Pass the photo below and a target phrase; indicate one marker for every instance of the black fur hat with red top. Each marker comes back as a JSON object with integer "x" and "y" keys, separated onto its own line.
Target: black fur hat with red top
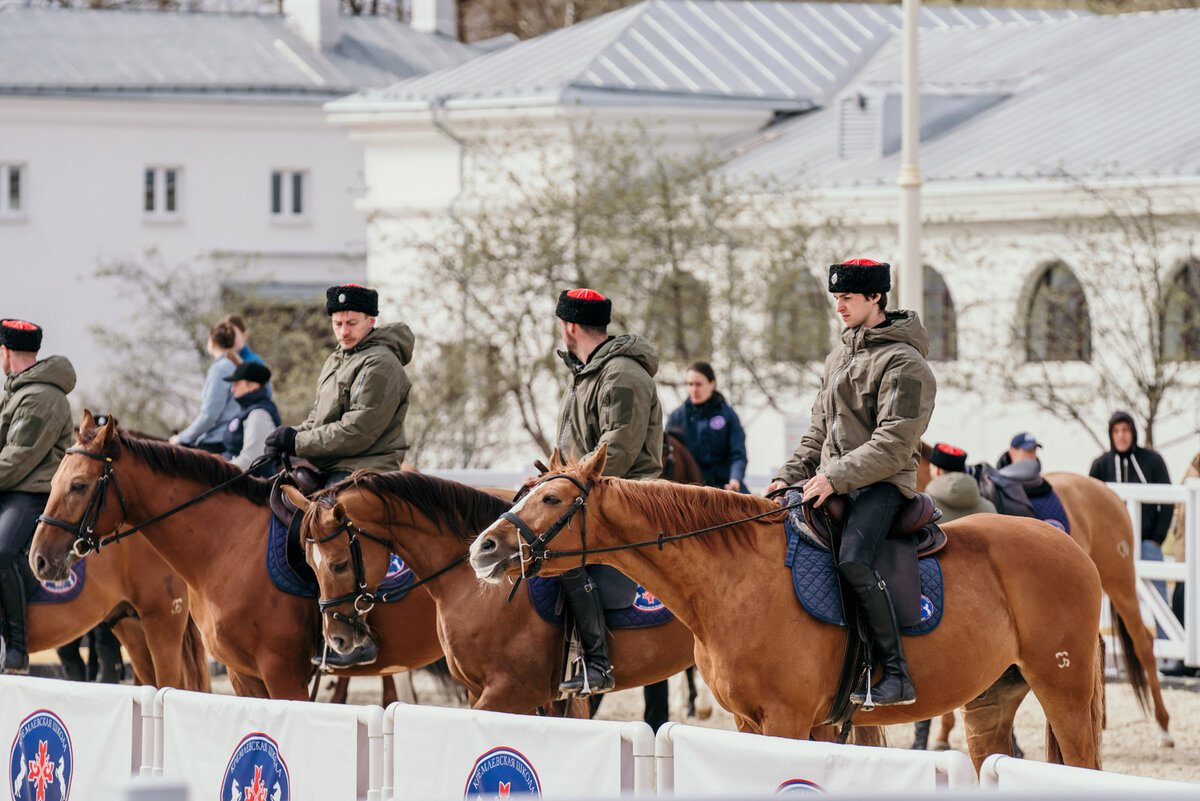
{"x": 949, "y": 458}
{"x": 584, "y": 307}
{"x": 20, "y": 335}
{"x": 863, "y": 276}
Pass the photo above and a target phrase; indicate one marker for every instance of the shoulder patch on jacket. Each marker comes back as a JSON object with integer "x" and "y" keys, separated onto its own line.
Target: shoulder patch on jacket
{"x": 908, "y": 397}
{"x": 620, "y": 406}
{"x": 26, "y": 431}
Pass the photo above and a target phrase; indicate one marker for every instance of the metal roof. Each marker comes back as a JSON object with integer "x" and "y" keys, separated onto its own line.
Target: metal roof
{"x": 783, "y": 56}
{"x": 69, "y": 51}
{"x": 1094, "y": 96}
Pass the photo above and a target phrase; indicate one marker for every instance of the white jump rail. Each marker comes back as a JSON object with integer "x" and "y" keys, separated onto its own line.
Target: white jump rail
{"x": 1181, "y": 641}
{"x": 62, "y": 734}
{"x": 1000, "y": 772}
{"x": 441, "y": 754}
{"x": 695, "y": 761}
{"x": 320, "y": 751}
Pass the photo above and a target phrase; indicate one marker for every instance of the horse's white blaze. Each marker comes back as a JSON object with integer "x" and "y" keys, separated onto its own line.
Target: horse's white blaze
{"x": 317, "y": 558}
{"x": 516, "y": 510}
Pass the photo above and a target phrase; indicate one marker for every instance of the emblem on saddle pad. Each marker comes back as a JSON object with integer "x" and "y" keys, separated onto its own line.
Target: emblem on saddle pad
{"x": 646, "y": 602}
{"x": 42, "y": 761}
{"x": 61, "y": 587}
{"x": 926, "y": 608}
{"x": 396, "y": 567}
{"x": 256, "y": 772}
{"x": 500, "y": 773}
{"x": 798, "y": 787}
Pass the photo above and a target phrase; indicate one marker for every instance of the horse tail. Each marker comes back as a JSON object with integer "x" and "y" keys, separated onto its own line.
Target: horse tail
{"x": 1133, "y": 666}
{"x": 195, "y": 659}
{"x": 868, "y": 735}
{"x": 1053, "y": 751}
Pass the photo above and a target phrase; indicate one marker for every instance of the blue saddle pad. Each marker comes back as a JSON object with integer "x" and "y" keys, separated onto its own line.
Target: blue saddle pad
{"x": 304, "y": 583}
{"x": 59, "y": 592}
{"x": 644, "y": 612}
{"x": 815, "y": 580}
{"x": 1050, "y": 509}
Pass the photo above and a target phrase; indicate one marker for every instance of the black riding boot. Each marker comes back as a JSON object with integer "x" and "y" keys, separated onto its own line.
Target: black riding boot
{"x": 363, "y": 654}
{"x": 920, "y": 735}
{"x": 895, "y": 687}
{"x": 73, "y": 665}
{"x": 584, "y": 598}
{"x": 12, "y": 597}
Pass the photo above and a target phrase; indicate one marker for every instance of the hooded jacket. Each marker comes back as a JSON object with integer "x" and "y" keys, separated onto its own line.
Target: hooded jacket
{"x": 613, "y": 399}
{"x": 35, "y": 424}
{"x": 875, "y": 401}
{"x": 714, "y": 437}
{"x": 1136, "y": 466}
{"x": 357, "y": 420}
{"x": 957, "y": 495}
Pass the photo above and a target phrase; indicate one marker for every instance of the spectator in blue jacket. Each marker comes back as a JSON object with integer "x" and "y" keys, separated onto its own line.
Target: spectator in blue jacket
{"x": 711, "y": 431}
{"x": 217, "y": 404}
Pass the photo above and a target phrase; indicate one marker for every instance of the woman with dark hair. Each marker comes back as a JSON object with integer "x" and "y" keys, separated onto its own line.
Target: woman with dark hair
{"x": 217, "y": 404}
{"x": 711, "y": 431}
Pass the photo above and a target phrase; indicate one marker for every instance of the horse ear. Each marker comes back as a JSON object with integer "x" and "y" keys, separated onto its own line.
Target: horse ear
{"x": 298, "y": 499}
{"x": 87, "y": 422}
{"x": 108, "y": 432}
{"x": 593, "y": 466}
{"x": 339, "y": 511}
{"x": 556, "y": 462}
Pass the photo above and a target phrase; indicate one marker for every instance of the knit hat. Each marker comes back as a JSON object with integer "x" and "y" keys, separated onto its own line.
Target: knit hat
{"x": 257, "y": 372}
{"x": 20, "y": 335}
{"x": 352, "y": 297}
{"x": 949, "y": 458}
{"x": 585, "y": 307}
{"x": 863, "y": 276}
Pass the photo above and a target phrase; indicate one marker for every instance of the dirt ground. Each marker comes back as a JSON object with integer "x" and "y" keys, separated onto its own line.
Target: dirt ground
{"x": 1130, "y": 741}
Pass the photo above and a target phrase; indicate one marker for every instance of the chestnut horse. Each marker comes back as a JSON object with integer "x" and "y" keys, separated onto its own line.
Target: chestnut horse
{"x": 135, "y": 591}
{"x": 1100, "y": 523}
{"x": 264, "y": 636}
{"x": 504, "y": 653}
{"x": 1013, "y": 595}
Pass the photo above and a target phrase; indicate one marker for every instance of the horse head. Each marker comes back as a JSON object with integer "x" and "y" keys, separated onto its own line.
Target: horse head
{"x": 554, "y": 510}
{"x": 85, "y": 500}
{"x": 349, "y": 561}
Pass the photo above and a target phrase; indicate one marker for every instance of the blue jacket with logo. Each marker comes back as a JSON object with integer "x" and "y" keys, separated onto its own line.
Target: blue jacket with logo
{"x": 713, "y": 435}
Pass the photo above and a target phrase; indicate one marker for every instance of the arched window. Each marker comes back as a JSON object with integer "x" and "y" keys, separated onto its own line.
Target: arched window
{"x": 680, "y": 319}
{"x": 798, "y": 317}
{"x": 940, "y": 320}
{"x": 1057, "y": 325}
{"x": 1181, "y": 318}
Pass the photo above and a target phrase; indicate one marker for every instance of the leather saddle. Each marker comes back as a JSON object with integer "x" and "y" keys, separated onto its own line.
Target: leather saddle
{"x": 305, "y": 477}
{"x": 916, "y": 520}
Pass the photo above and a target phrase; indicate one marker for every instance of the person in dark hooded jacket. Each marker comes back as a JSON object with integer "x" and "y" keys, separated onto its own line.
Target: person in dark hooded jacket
{"x": 1127, "y": 463}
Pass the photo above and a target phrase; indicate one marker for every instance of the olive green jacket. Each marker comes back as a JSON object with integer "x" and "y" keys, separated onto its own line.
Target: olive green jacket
{"x": 357, "y": 420}
{"x": 613, "y": 399}
{"x": 35, "y": 424}
{"x": 875, "y": 401}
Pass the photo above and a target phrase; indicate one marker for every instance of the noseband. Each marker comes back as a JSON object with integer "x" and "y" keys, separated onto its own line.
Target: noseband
{"x": 537, "y": 544}
{"x": 86, "y": 540}
{"x": 362, "y": 600}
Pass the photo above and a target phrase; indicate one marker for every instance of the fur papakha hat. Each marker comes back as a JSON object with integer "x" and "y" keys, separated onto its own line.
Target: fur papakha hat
{"x": 20, "y": 335}
{"x": 863, "y": 276}
{"x": 352, "y": 297}
{"x": 584, "y": 307}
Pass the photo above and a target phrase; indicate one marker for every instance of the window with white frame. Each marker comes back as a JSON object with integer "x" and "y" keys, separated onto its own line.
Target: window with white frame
{"x": 12, "y": 189}
{"x": 289, "y": 199}
{"x": 162, "y": 191}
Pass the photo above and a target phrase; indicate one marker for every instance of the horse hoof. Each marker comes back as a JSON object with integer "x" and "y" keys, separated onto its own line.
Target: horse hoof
{"x": 1165, "y": 740}
{"x": 940, "y": 745}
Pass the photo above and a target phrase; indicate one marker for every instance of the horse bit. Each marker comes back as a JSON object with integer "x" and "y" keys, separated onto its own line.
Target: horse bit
{"x": 363, "y": 601}
{"x": 537, "y": 544}
{"x": 86, "y": 540}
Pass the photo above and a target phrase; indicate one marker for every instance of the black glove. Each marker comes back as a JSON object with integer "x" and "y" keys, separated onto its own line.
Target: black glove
{"x": 282, "y": 440}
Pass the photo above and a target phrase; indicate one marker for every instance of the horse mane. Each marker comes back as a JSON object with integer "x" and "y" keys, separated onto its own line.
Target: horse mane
{"x": 678, "y": 508}
{"x": 456, "y": 509}
{"x": 189, "y": 464}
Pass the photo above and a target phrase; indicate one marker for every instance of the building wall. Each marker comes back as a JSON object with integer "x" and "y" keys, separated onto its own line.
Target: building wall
{"x": 84, "y": 162}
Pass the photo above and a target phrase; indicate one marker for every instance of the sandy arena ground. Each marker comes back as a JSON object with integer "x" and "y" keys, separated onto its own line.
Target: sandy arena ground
{"x": 1130, "y": 741}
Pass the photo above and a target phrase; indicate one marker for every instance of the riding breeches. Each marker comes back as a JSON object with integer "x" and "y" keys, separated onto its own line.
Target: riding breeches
{"x": 872, "y": 510}
{"x": 18, "y": 518}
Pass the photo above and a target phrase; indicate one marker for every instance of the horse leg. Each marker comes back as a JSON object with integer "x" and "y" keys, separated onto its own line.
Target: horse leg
{"x": 72, "y": 663}
{"x": 164, "y": 639}
{"x": 388, "y": 695}
{"x": 341, "y": 690}
{"x": 283, "y": 680}
{"x": 988, "y": 719}
{"x": 1069, "y": 684}
{"x": 1127, "y": 619}
{"x": 247, "y": 686}
{"x": 945, "y": 726}
{"x": 133, "y": 638}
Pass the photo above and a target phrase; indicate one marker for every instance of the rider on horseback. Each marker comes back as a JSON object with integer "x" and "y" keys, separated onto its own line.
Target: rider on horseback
{"x": 612, "y": 399}
{"x": 874, "y": 403}
{"x": 35, "y": 432}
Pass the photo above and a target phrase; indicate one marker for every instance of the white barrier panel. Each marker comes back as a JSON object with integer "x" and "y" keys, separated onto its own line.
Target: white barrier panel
{"x": 224, "y": 747}
{"x": 1001, "y": 772}
{"x": 63, "y": 734}
{"x": 452, "y": 754}
{"x": 695, "y": 761}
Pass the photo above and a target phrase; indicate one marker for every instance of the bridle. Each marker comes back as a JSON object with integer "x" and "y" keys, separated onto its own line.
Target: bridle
{"x": 362, "y": 600}
{"x": 86, "y": 540}
{"x": 537, "y": 543}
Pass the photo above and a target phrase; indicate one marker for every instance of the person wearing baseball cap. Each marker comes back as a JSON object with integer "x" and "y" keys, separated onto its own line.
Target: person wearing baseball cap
{"x": 357, "y": 419}
{"x": 864, "y": 442}
{"x": 611, "y": 398}
{"x": 246, "y": 434}
{"x": 35, "y": 432}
